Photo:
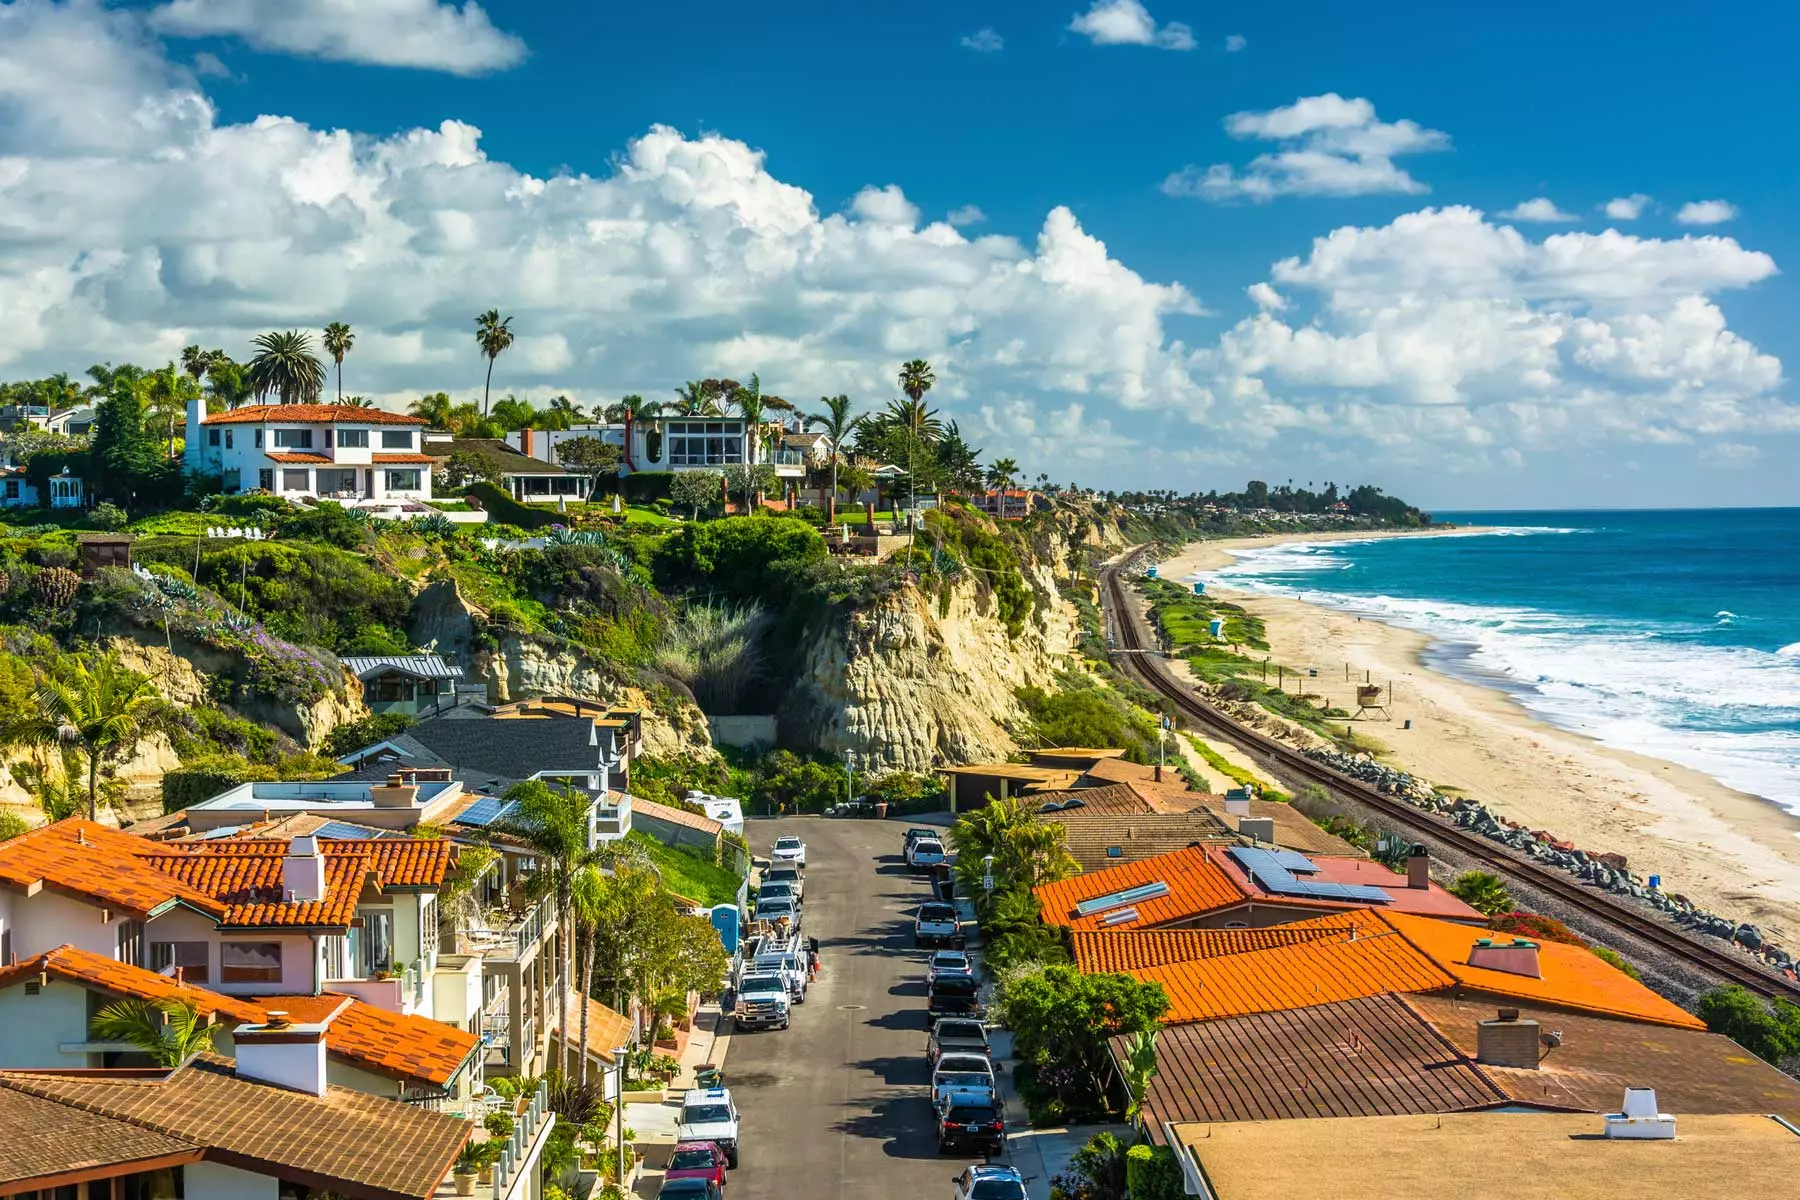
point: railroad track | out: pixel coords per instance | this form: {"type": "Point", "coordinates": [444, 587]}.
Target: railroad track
{"type": "Point", "coordinates": [1142, 662]}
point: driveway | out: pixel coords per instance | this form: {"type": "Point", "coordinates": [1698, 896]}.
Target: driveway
{"type": "Point", "coordinates": [836, 1106]}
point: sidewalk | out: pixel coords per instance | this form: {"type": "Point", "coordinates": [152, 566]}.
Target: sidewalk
{"type": "Point", "coordinates": [655, 1124]}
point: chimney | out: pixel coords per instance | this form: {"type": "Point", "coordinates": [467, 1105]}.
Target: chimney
{"type": "Point", "coordinates": [1261, 829]}
{"type": "Point", "coordinates": [525, 442]}
{"type": "Point", "coordinates": [1507, 1041]}
{"type": "Point", "coordinates": [1640, 1121]}
{"type": "Point", "coordinates": [396, 793]}
{"type": "Point", "coordinates": [1157, 775]}
{"type": "Point", "coordinates": [303, 871]}
{"type": "Point", "coordinates": [282, 1053]}
{"type": "Point", "coordinates": [1517, 957]}
{"type": "Point", "coordinates": [1418, 868]}
{"type": "Point", "coordinates": [1237, 803]}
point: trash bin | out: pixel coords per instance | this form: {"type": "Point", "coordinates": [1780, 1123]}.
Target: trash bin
{"type": "Point", "coordinates": [881, 810]}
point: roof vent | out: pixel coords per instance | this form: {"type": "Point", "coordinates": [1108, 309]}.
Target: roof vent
{"type": "Point", "coordinates": [303, 871]}
{"type": "Point", "coordinates": [1517, 957]}
{"type": "Point", "coordinates": [1640, 1121]}
{"type": "Point", "coordinates": [1507, 1041]}
{"type": "Point", "coordinates": [1123, 916]}
{"type": "Point", "coordinates": [278, 1019]}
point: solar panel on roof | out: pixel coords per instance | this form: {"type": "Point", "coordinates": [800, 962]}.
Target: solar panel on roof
{"type": "Point", "coordinates": [1145, 891]}
{"type": "Point", "coordinates": [1123, 916]}
{"type": "Point", "coordinates": [484, 811]}
{"type": "Point", "coordinates": [337, 829]}
{"type": "Point", "coordinates": [1270, 870]}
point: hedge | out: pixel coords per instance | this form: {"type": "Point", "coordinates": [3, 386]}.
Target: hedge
{"type": "Point", "coordinates": [185, 787]}
{"type": "Point", "coordinates": [504, 510]}
{"type": "Point", "coordinates": [647, 487]}
{"type": "Point", "coordinates": [1151, 1173]}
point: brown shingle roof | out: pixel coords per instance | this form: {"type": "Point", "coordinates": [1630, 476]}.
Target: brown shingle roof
{"type": "Point", "coordinates": [1293, 831]}
{"type": "Point", "coordinates": [315, 414]}
{"type": "Point", "coordinates": [1118, 770]}
{"type": "Point", "coordinates": [608, 1029]}
{"type": "Point", "coordinates": [676, 816]}
{"type": "Point", "coordinates": [1114, 798]}
{"type": "Point", "coordinates": [45, 1139]}
{"type": "Point", "coordinates": [378, 1146]}
{"type": "Point", "coordinates": [1370, 1056]}
{"type": "Point", "coordinates": [1101, 840]}
{"type": "Point", "coordinates": [1692, 1072]}
{"type": "Point", "coordinates": [1099, 951]}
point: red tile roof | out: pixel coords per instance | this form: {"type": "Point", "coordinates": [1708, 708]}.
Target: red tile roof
{"type": "Point", "coordinates": [1432, 901]}
{"type": "Point", "coordinates": [248, 880]}
{"type": "Point", "coordinates": [309, 414]}
{"type": "Point", "coordinates": [1196, 885]}
{"type": "Point", "coordinates": [394, 460]}
{"type": "Point", "coordinates": [82, 858]}
{"type": "Point", "coordinates": [123, 979]}
{"type": "Point", "coordinates": [1101, 951]}
{"type": "Point", "coordinates": [295, 458]}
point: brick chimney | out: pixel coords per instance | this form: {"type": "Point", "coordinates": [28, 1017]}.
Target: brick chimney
{"type": "Point", "coordinates": [525, 441]}
{"type": "Point", "coordinates": [303, 871]}
{"type": "Point", "coordinates": [1418, 868]}
{"type": "Point", "coordinates": [1507, 1041]}
{"type": "Point", "coordinates": [282, 1053]}
{"type": "Point", "coordinates": [1157, 774]}
{"type": "Point", "coordinates": [1517, 957]}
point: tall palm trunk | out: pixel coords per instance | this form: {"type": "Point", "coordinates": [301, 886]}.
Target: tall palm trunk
{"type": "Point", "coordinates": [587, 979]}
{"type": "Point", "coordinates": [340, 375]}
{"type": "Point", "coordinates": [831, 516]}
{"type": "Point", "coordinates": [93, 785]}
{"type": "Point", "coordinates": [488, 387]}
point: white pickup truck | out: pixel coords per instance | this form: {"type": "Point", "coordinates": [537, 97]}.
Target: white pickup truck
{"type": "Point", "coordinates": [962, 1079]}
{"type": "Point", "coordinates": [762, 1002]}
{"type": "Point", "coordinates": [922, 854]}
{"type": "Point", "coordinates": [787, 964]}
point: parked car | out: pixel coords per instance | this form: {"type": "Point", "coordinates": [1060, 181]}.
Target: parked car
{"type": "Point", "coordinates": [957, 1035]}
{"type": "Point", "coordinates": [916, 832]}
{"type": "Point", "coordinates": [977, 1127]}
{"type": "Point", "coordinates": [925, 853]}
{"type": "Point", "coordinates": [762, 1002]}
{"type": "Point", "coordinates": [789, 849]}
{"type": "Point", "coordinates": [789, 874]}
{"type": "Point", "coordinates": [689, 1188]}
{"type": "Point", "coordinates": [776, 909]}
{"type": "Point", "coordinates": [697, 1160]}
{"type": "Point", "coordinates": [962, 1079]}
{"type": "Point", "coordinates": [954, 996]}
{"type": "Point", "coordinates": [989, 1183]}
{"type": "Point", "coordinates": [948, 962]}
{"type": "Point", "coordinates": [709, 1115]}
{"type": "Point", "coordinates": [936, 925]}
{"type": "Point", "coordinates": [777, 890]}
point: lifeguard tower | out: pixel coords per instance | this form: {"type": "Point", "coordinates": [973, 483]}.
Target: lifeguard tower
{"type": "Point", "coordinates": [1371, 702]}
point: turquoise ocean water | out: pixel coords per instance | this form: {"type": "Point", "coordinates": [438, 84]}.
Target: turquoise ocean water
{"type": "Point", "coordinates": [1671, 633]}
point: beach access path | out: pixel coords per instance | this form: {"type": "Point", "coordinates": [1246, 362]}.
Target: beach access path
{"type": "Point", "coordinates": [1733, 853]}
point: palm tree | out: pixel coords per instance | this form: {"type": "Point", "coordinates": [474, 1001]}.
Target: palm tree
{"type": "Point", "coordinates": [494, 334]}
{"type": "Point", "coordinates": [1002, 473]}
{"type": "Point", "coordinates": [588, 908]}
{"type": "Point", "coordinates": [749, 402]}
{"type": "Point", "coordinates": [93, 702]}
{"type": "Point", "coordinates": [838, 425]}
{"type": "Point", "coordinates": [169, 1031]}
{"type": "Point", "coordinates": [286, 367]}
{"type": "Point", "coordinates": [634, 408]}
{"type": "Point", "coordinates": [916, 379]}
{"type": "Point", "coordinates": [195, 361]}
{"type": "Point", "coordinates": [554, 823]}
{"type": "Point", "coordinates": [435, 409]}
{"type": "Point", "coordinates": [697, 399]}
{"type": "Point", "coordinates": [357, 402]}
{"type": "Point", "coordinates": [338, 340]}
{"type": "Point", "coordinates": [1483, 891]}
{"type": "Point", "coordinates": [226, 379]}
{"type": "Point", "coordinates": [166, 394]}
{"type": "Point", "coordinates": [572, 413]}
{"type": "Point", "coordinates": [916, 417]}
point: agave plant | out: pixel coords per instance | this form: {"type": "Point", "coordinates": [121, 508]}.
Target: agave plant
{"type": "Point", "coordinates": [55, 586]}
{"type": "Point", "coordinates": [436, 525]}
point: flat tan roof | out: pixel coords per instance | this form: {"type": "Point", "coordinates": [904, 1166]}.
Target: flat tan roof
{"type": "Point", "coordinates": [1489, 1156]}
{"type": "Point", "coordinates": [1005, 771]}
{"type": "Point", "coordinates": [1078, 752]}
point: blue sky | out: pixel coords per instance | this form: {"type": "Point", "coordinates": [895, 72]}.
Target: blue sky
{"type": "Point", "coordinates": [1460, 360]}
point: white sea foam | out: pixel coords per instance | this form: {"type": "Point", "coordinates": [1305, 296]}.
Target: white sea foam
{"type": "Point", "coordinates": [1731, 712]}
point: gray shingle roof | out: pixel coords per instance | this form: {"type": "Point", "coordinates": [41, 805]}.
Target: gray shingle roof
{"type": "Point", "coordinates": [487, 752]}
{"type": "Point", "coordinates": [425, 666]}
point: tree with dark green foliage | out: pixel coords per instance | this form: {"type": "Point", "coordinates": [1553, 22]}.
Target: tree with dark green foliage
{"type": "Point", "coordinates": [1771, 1031]}
{"type": "Point", "coordinates": [1088, 716]}
{"type": "Point", "coordinates": [122, 455]}
{"type": "Point", "coordinates": [1061, 1020]}
{"type": "Point", "coordinates": [285, 368]}
{"type": "Point", "coordinates": [740, 558]}
{"type": "Point", "coordinates": [1483, 891]}
{"type": "Point", "coordinates": [365, 731]}
{"type": "Point", "coordinates": [697, 490]}
{"type": "Point", "coordinates": [590, 458]}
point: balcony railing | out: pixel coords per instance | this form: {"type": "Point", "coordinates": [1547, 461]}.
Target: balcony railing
{"type": "Point", "coordinates": [514, 938]}
{"type": "Point", "coordinates": [516, 1155]}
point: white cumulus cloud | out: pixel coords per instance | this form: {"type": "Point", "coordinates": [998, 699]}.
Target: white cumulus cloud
{"type": "Point", "coordinates": [392, 33]}
{"type": "Point", "coordinates": [968, 214]}
{"type": "Point", "coordinates": [1541, 210]}
{"type": "Point", "coordinates": [1265, 297]}
{"type": "Point", "coordinates": [1626, 208]}
{"type": "Point", "coordinates": [1706, 212]}
{"type": "Point", "coordinates": [1327, 146]}
{"type": "Point", "coordinates": [1129, 23]}
{"type": "Point", "coordinates": [1235, 42]}
{"type": "Point", "coordinates": [984, 41]}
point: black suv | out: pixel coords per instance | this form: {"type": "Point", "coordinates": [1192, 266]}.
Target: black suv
{"type": "Point", "coordinates": [953, 996]}
{"type": "Point", "coordinates": [978, 1127]}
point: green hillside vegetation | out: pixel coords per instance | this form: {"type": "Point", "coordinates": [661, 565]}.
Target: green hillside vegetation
{"type": "Point", "coordinates": [686, 873]}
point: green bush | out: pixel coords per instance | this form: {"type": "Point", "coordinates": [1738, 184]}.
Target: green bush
{"type": "Point", "coordinates": [739, 558]}
{"type": "Point", "coordinates": [1770, 1031]}
{"type": "Point", "coordinates": [108, 516]}
{"type": "Point", "coordinates": [187, 786]}
{"type": "Point", "coordinates": [376, 727]}
{"type": "Point", "coordinates": [503, 508]}
{"type": "Point", "coordinates": [1089, 716]}
{"type": "Point", "coordinates": [329, 522]}
{"type": "Point", "coordinates": [1152, 1173]}
{"type": "Point", "coordinates": [905, 792]}
{"type": "Point", "coordinates": [250, 504]}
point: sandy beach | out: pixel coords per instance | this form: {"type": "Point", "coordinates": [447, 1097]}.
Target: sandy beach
{"type": "Point", "coordinates": [1734, 853]}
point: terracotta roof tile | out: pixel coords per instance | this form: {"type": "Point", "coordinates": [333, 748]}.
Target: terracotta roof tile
{"type": "Point", "coordinates": [47, 1139]}
{"type": "Point", "coordinates": [1106, 950]}
{"type": "Point", "coordinates": [1370, 1056]}
{"type": "Point", "coordinates": [83, 858]}
{"type": "Point", "coordinates": [316, 414]}
{"type": "Point", "coordinates": [1196, 886]}
{"type": "Point", "coordinates": [123, 979]}
{"type": "Point", "coordinates": [395, 460]}
{"type": "Point", "coordinates": [248, 880]}
{"type": "Point", "coordinates": [296, 458]}
{"type": "Point", "coordinates": [404, 1047]}
{"type": "Point", "coordinates": [1296, 976]}
{"type": "Point", "coordinates": [1572, 977]}
{"type": "Point", "coordinates": [377, 1146]}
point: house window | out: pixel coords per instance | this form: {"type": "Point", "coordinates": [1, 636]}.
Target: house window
{"type": "Point", "coordinates": [375, 948]}
{"type": "Point", "coordinates": [393, 687]}
{"type": "Point", "coordinates": [705, 443]}
{"type": "Point", "coordinates": [12, 489]}
{"type": "Point", "coordinates": [265, 479]}
{"type": "Point", "coordinates": [129, 943]}
{"type": "Point", "coordinates": [228, 439]}
{"type": "Point", "coordinates": [188, 957]}
{"type": "Point", "coordinates": [250, 962]}
{"type": "Point", "coordinates": [294, 481]}
{"type": "Point", "coordinates": [428, 933]}
{"type": "Point", "coordinates": [353, 439]}
{"type": "Point", "coordinates": [293, 439]}
{"type": "Point", "coordinates": [212, 437]}
{"type": "Point", "coordinates": [396, 439]}
{"type": "Point", "coordinates": [403, 481]}
{"type": "Point", "coordinates": [259, 441]}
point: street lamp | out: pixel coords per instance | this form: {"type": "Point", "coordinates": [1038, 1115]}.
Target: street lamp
{"type": "Point", "coordinates": [987, 873]}
{"type": "Point", "coordinates": [849, 777]}
{"type": "Point", "coordinates": [619, 1056]}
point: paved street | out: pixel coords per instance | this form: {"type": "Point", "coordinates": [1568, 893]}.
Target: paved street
{"type": "Point", "coordinates": [836, 1106]}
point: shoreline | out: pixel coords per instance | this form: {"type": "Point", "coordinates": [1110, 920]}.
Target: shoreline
{"type": "Point", "coordinates": [1729, 851]}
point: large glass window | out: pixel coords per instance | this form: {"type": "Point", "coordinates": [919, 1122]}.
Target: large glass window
{"type": "Point", "coordinates": [705, 443]}
{"type": "Point", "coordinates": [190, 957]}
{"type": "Point", "coordinates": [403, 481]}
{"type": "Point", "coordinates": [353, 439]}
{"type": "Point", "coordinates": [396, 439]}
{"type": "Point", "coordinates": [295, 481]}
{"type": "Point", "coordinates": [293, 439]}
{"type": "Point", "coordinates": [250, 962]}
{"type": "Point", "coordinates": [375, 945]}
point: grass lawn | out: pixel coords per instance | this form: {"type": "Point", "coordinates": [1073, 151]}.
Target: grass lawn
{"type": "Point", "coordinates": [686, 873]}
{"type": "Point", "coordinates": [856, 516]}
{"type": "Point", "coordinates": [637, 514]}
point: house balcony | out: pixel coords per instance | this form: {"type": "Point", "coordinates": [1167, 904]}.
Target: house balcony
{"type": "Point", "coordinates": [402, 992]}
{"type": "Point", "coordinates": [509, 937]}
{"type": "Point", "coordinates": [515, 1175]}
{"type": "Point", "coordinates": [788, 464]}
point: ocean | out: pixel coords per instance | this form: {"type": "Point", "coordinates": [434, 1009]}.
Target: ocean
{"type": "Point", "coordinates": [1674, 634]}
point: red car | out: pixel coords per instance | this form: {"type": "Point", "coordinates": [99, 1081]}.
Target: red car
{"type": "Point", "coordinates": [697, 1160]}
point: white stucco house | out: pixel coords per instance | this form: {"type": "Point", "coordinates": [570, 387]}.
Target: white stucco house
{"type": "Point", "coordinates": [363, 457]}
{"type": "Point", "coordinates": [704, 443]}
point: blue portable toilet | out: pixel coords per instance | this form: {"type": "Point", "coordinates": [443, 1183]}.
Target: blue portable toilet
{"type": "Point", "coordinates": [1199, 589]}
{"type": "Point", "coordinates": [1151, 572]}
{"type": "Point", "coordinates": [1217, 627]}
{"type": "Point", "coordinates": [729, 922]}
